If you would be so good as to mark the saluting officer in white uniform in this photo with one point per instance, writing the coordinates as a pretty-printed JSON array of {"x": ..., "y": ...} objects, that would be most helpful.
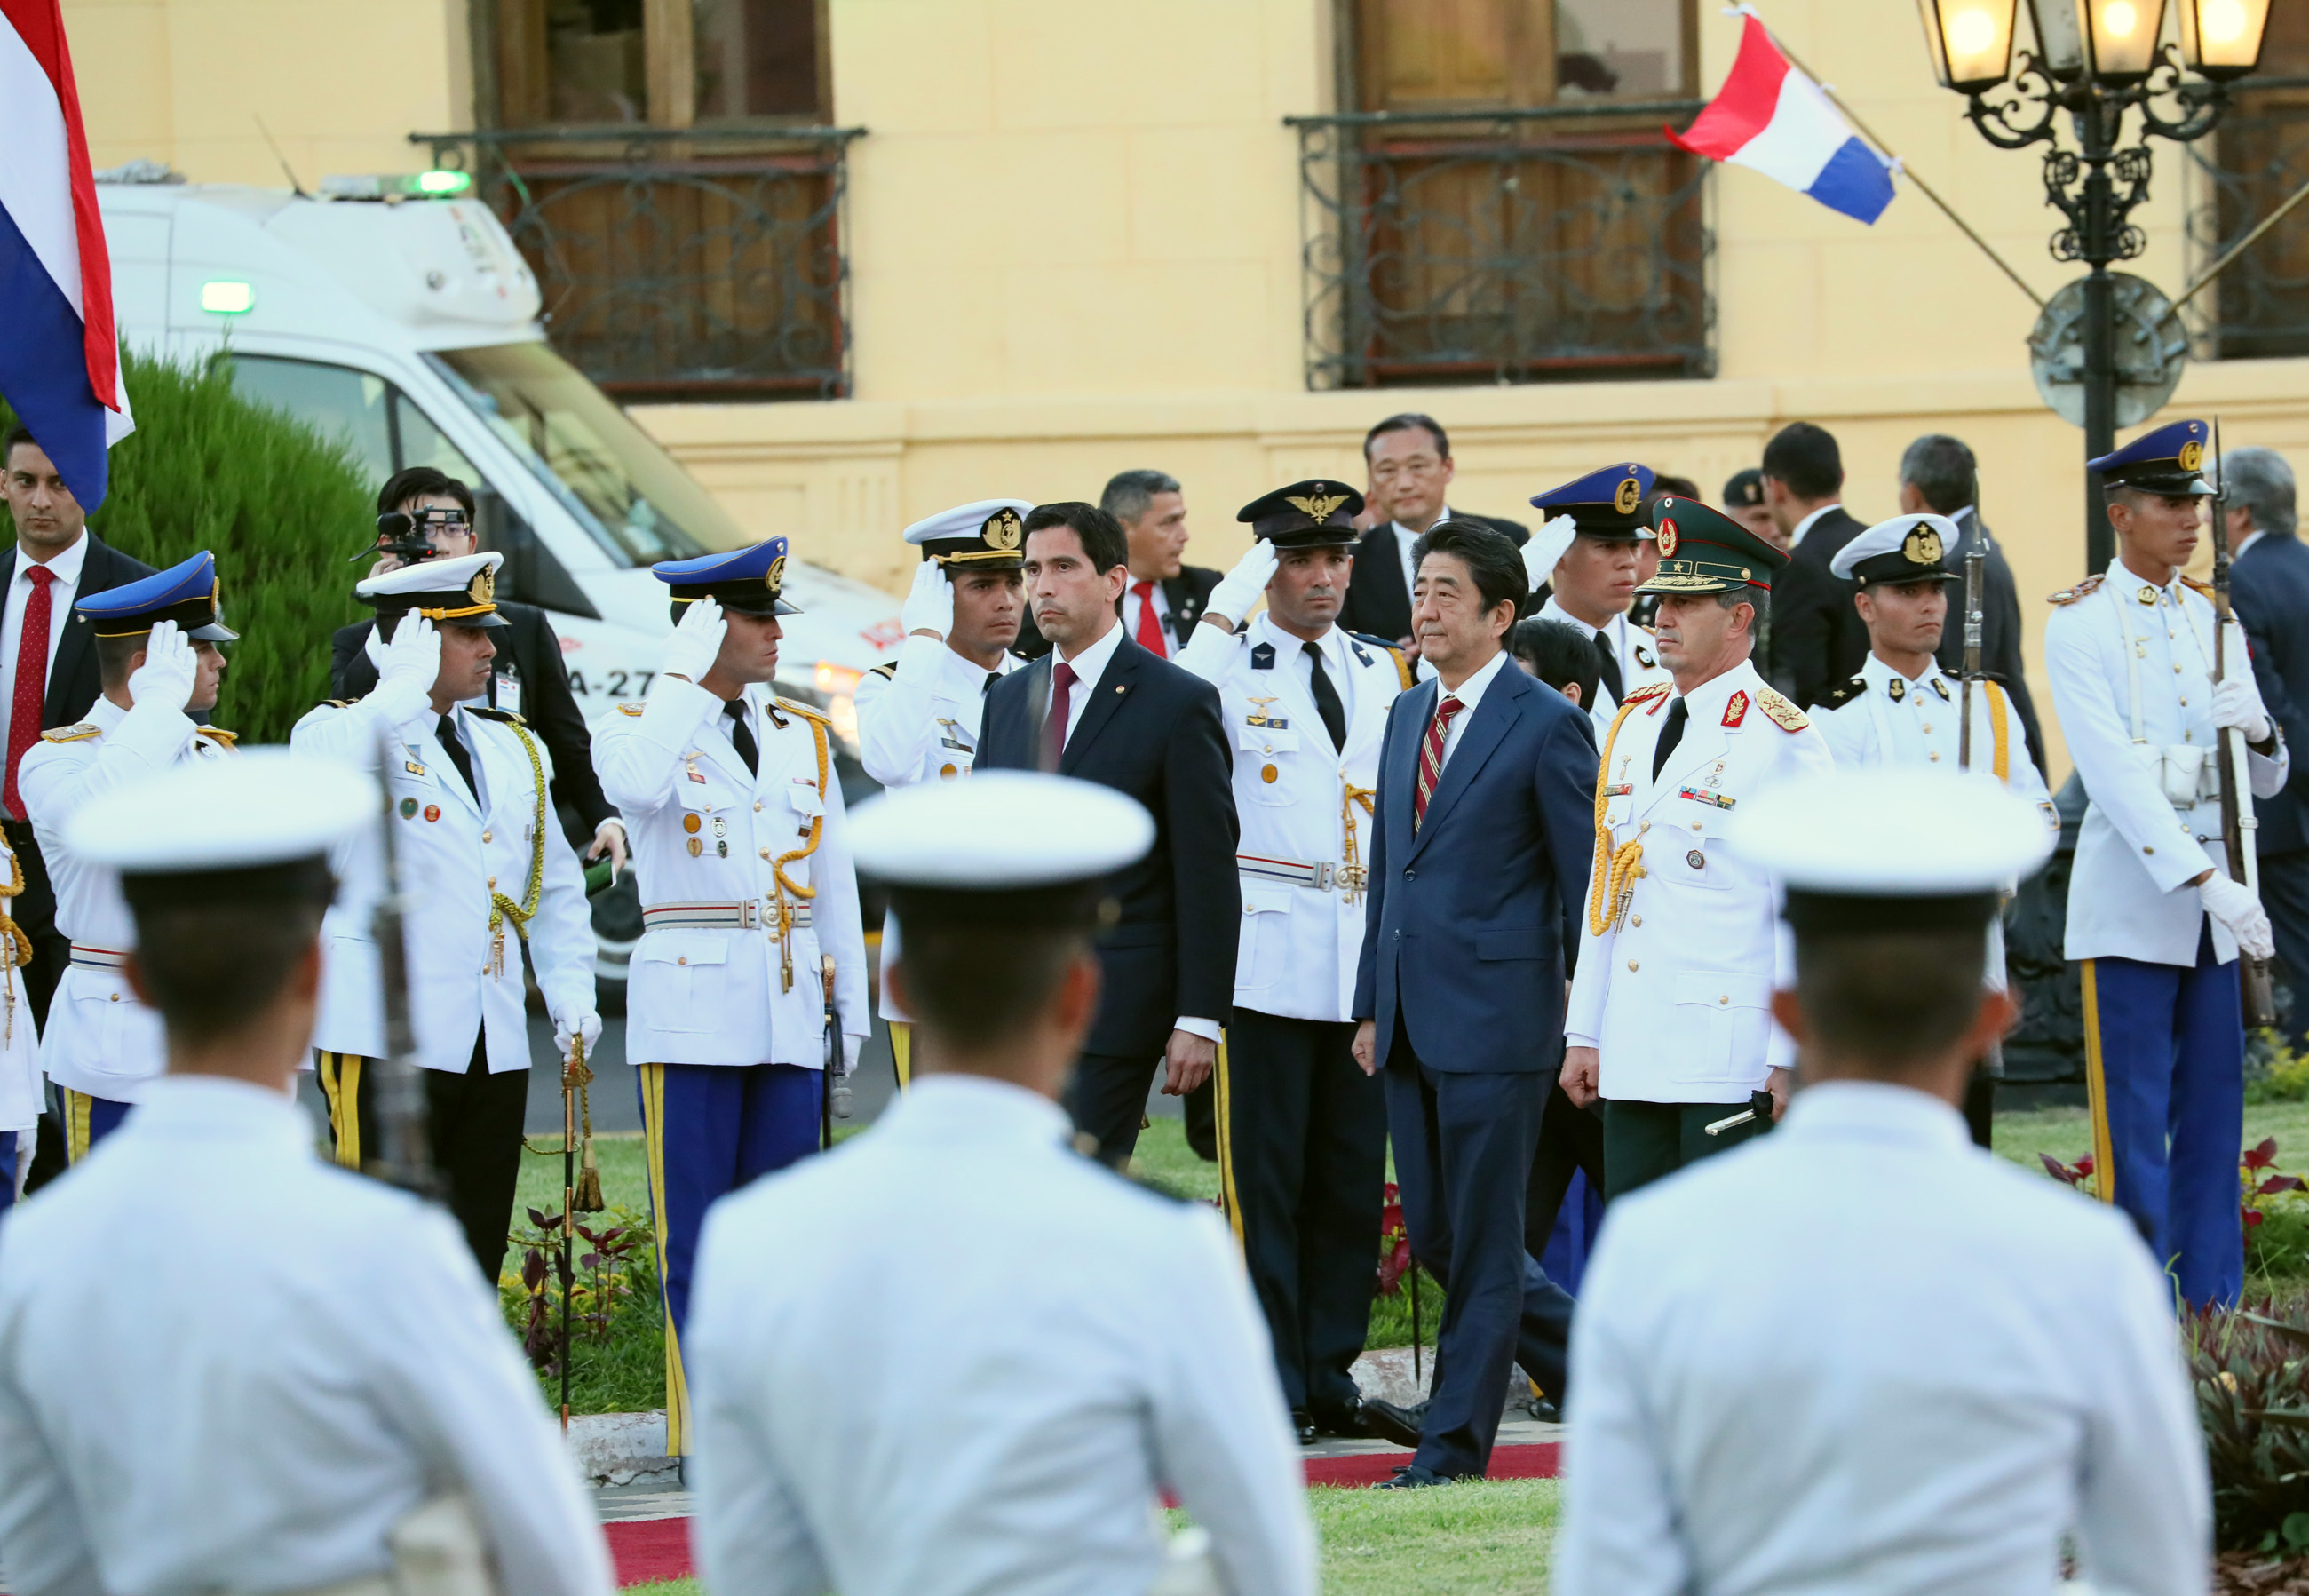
[
  {"x": 917, "y": 716},
  {"x": 1670, "y": 1019},
  {"x": 2153, "y": 913},
  {"x": 1586, "y": 556},
  {"x": 483, "y": 867},
  {"x": 1903, "y": 710},
  {"x": 304, "y": 1390},
  {"x": 1302, "y": 1130},
  {"x": 741, "y": 847},
  {"x": 958, "y": 1357},
  {"x": 157, "y": 652}
]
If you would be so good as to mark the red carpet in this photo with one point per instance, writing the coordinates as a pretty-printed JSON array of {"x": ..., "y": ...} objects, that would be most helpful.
[{"x": 657, "y": 1549}]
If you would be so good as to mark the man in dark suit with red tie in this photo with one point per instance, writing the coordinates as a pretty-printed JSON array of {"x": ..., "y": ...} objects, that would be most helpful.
[{"x": 1100, "y": 708}]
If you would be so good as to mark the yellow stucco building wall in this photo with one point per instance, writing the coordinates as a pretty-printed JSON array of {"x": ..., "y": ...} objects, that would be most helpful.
[{"x": 1074, "y": 233}]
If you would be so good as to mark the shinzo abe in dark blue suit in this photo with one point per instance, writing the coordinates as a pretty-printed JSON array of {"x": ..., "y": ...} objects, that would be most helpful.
[{"x": 1485, "y": 826}]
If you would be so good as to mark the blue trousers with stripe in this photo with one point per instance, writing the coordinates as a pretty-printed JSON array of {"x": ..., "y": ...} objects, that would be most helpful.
[
  {"x": 7, "y": 1170},
  {"x": 708, "y": 1130},
  {"x": 2165, "y": 1061},
  {"x": 89, "y": 1119}
]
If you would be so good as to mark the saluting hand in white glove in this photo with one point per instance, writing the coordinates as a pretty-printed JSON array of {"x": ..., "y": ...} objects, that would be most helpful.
[
  {"x": 165, "y": 677},
  {"x": 1242, "y": 587},
  {"x": 412, "y": 658},
  {"x": 2236, "y": 705},
  {"x": 2234, "y": 905},
  {"x": 929, "y": 603},
  {"x": 697, "y": 642}
]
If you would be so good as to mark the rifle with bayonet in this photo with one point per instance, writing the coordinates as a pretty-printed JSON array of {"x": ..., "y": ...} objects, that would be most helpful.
[
  {"x": 1976, "y": 562},
  {"x": 2260, "y": 1000},
  {"x": 405, "y": 1153}
]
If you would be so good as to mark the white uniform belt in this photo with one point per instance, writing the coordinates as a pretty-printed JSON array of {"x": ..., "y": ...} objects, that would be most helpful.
[
  {"x": 1298, "y": 872},
  {"x": 97, "y": 958},
  {"x": 718, "y": 916}
]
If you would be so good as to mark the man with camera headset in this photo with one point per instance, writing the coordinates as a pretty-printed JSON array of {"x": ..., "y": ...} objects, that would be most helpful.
[{"x": 424, "y": 514}]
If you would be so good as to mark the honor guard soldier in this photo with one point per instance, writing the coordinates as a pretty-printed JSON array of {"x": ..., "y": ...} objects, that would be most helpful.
[
  {"x": 1671, "y": 1013},
  {"x": 1302, "y": 1143},
  {"x": 1031, "y": 1402},
  {"x": 2153, "y": 914},
  {"x": 1586, "y": 555},
  {"x": 20, "y": 1040},
  {"x": 918, "y": 717},
  {"x": 306, "y": 1390},
  {"x": 748, "y": 900},
  {"x": 483, "y": 866},
  {"x": 157, "y": 654},
  {"x": 1902, "y": 709},
  {"x": 1760, "y": 1338}
]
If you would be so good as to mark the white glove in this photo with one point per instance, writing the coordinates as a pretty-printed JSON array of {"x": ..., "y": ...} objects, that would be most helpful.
[
  {"x": 1246, "y": 584},
  {"x": 929, "y": 605},
  {"x": 412, "y": 659},
  {"x": 697, "y": 642},
  {"x": 1545, "y": 547},
  {"x": 170, "y": 668},
  {"x": 851, "y": 1047},
  {"x": 2236, "y": 704},
  {"x": 589, "y": 1030},
  {"x": 2236, "y": 907}
]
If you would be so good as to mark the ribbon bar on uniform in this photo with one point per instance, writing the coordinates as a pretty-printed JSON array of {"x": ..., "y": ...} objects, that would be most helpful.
[
  {"x": 714, "y": 917},
  {"x": 98, "y": 958},
  {"x": 1297, "y": 872}
]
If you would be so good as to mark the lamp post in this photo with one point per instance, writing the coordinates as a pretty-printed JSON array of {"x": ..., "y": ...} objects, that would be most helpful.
[{"x": 2097, "y": 60}]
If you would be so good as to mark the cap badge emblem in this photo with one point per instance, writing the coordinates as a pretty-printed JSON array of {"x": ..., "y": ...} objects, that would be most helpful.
[
  {"x": 2192, "y": 455},
  {"x": 1629, "y": 495},
  {"x": 776, "y": 578},
  {"x": 1667, "y": 538},
  {"x": 1921, "y": 546},
  {"x": 1003, "y": 529},
  {"x": 1317, "y": 505},
  {"x": 483, "y": 588}
]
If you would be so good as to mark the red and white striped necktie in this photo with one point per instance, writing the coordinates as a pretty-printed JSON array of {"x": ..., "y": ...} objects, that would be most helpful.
[{"x": 1431, "y": 758}]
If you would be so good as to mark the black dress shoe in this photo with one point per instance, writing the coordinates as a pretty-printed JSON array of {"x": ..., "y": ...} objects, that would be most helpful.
[
  {"x": 1391, "y": 1423},
  {"x": 1412, "y": 1479},
  {"x": 1543, "y": 1411},
  {"x": 1305, "y": 1426}
]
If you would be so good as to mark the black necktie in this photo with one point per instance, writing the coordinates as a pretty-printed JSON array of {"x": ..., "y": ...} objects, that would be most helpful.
[
  {"x": 1671, "y": 734},
  {"x": 1608, "y": 658},
  {"x": 988, "y": 685},
  {"x": 1326, "y": 700},
  {"x": 741, "y": 735},
  {"x": 454, "y": 747}
]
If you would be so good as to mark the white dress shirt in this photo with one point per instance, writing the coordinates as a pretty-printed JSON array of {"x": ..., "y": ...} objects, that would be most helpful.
[
  {"x": 1404, "y": 538},
  {"x": 1015, "y": 1412},
  {"x": 66, "y": 568},
  {"x": 253, "y": 1403},
  {"x": 1859, "y": 1354},
  {"x": 1470, "y": 693},
  {"x": 1132, "y": 606},
  {"x": 1797, "y": 536},
  {"x": 1088, "y": 666}
]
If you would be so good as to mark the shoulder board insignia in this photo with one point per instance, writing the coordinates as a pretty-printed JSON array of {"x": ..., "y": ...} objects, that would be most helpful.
[
  {"x": 1736, "y": 710},
  {"x": 219, "y": 735},
  {"x": 1262, "y": 656},
  {"x": 78, "y": 733},
  {"x": 888, "y": 672},
  {"x": 1843, "y": 692},
  {"x": 1782, "y": 712},
  {"x": 632, "y": 708},
  {"x": 1648, "y": 692},
  {"x": 506, "y": 715},
  {"x": 345, "y": 703},
  {"x": 2204, "y": 587},
  {"x": 2070, "y": 595},
  {"x": 819, "y": 715}
]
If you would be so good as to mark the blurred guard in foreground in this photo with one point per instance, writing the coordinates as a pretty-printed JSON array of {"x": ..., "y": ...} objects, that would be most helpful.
[
  {"x": 1039, "y": 1349},
  {"x": 303, "y": 1388},
  {"x": 742, "y": 852},
  {"x": 157, "y": 648},
  {"x": 1862, "y": 1354}
]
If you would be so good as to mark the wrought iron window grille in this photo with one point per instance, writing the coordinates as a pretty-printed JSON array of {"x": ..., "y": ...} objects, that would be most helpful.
[{"x": 2258, "y": 308}]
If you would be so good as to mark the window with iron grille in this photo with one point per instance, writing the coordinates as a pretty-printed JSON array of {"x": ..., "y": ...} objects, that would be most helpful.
[
  {"x": 667, "y": 170},
  {"x": 2254, "y": 162},
  {"x": 1500, "y": 205}
]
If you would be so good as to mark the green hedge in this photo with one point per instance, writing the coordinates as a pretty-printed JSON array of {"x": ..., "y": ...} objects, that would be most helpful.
[{"x": 279, "y": 505}]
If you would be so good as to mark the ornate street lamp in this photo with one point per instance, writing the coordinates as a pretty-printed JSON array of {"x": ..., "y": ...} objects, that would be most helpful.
[{"x": 2096, "y": 60}]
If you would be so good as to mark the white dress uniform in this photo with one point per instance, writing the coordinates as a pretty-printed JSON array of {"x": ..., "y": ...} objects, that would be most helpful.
[
  {"x": 101, "y": 1041},
  {"x": 1632, "y": 645},
  {"x": 1679, "y": 955},
  {"x": 20, "y": 1040}
]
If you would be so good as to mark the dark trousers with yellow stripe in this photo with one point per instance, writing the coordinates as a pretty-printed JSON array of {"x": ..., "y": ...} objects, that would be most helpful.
[
  {"x": 2165, "y": 1064},
  {"x": 1302, "y": 1162},
  {"x": 8, "y": 1144}
]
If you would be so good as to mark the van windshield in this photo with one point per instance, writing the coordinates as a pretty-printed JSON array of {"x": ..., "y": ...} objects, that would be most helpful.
[{"x": 612, "y": 476}]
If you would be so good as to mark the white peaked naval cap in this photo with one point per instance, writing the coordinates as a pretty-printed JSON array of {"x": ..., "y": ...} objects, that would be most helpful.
[{"x": 245, "y": 810}]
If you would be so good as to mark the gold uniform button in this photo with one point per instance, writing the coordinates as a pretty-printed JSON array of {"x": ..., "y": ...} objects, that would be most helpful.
[
  {"x": 493, "y": 882},
  {"x": 757, "y": 806},
  {"x": 1695, "y": 825},
  {"x": 1632, "y": 964},
  {"x": 116, "y": 997},
  {"x": 1722, "y": 1000},
  {"x": 765, "y": 852},
  {"x": 1936, "y": 758},
  {"x": 486, "y": 837},
  {"x": 684, "y": 959},
  {"x": 2148, "y": 850},
  {"x": 1636, "y": 920}
]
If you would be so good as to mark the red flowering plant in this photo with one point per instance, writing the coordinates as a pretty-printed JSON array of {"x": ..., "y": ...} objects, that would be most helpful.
[
  {"x": 1394, "y": 1244},
  {"x": 2074, "y": 1175}
]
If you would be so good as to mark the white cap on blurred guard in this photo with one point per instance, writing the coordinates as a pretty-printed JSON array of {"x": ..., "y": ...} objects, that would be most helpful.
[
  {"x": 1000, "y": 847},
  {"x": 267, "y": 814}
]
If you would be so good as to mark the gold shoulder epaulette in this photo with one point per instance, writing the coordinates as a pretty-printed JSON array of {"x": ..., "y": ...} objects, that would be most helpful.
[
  {"x": 2204, "y": 587},
  {"x": 1647, "y": 693},
  {"x": 81, "y": 732},
  {"x": 632, "y": 708},
  {"x": 218, "y": 735},
  {"x": 2070, "y": 595},
  {"x": 1780, "y": 711},
  {"x": 1405, "y": 672},
  {"x": 888, "y": 671},
  {"x": 506, "y": 715},
  {"x": 344, "y": 703},
  {"x": 819, "y": 715}
]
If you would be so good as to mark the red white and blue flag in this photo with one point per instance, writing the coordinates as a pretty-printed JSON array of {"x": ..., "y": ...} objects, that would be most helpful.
[
  {"x": 59, "y": 354},
  {"x": 1771, "y": 117}
]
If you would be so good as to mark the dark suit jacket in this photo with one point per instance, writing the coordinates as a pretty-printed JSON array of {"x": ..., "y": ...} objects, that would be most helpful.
[
  {"x": 1377, "y": 603},
  {"x": 546, "y": 703},
  {"x": 73, "y": 681},
  {"x": 1464, "y": 926},
  {"x": 1186, "y": 593},
  {"x": 2000, "y": 627},
  {"x": 1154, "y": 731},
  {"x": 1818, "y": 640},
  {"x": 2270, "y": 590}
]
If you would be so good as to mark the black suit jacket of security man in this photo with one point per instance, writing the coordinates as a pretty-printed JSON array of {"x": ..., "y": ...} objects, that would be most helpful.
[
  {"x": 1153, "y": 731},
  {"x": 1186, "y": 593},
  {"x": 2000, "y": 627},
  {"x": 546, "y": 703},
  {"x": 1818, "y": 637},
  {"x": 1378, "y": 604}
]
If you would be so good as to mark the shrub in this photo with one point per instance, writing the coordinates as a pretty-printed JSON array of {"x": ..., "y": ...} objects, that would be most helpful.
[
  {"x": 2251, "y": 1370},
  {"x": 2284, "y": 1079},
  {"x": 617, "y": 1355},
  {"x": 280, "y": 506}
]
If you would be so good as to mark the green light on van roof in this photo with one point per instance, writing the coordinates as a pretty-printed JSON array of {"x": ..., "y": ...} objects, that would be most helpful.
[
  {"x": 441, "y": 181},
  {"x": 226, "y": 298}
]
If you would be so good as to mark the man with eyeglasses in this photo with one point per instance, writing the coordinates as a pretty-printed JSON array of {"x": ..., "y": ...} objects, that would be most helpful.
[
  {"x": 1408, "y": 459},
  {"x": 529, "y": 679}
]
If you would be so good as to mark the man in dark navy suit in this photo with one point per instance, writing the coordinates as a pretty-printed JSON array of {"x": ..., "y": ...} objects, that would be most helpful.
[
  {"x": 1485, "y": 828},
  {"x": 1817, "y": 637},
  {"x": 1100, "y": 708},
  {"x": 2270, "y": 587},
  {"x": 1408, "y": 459}
]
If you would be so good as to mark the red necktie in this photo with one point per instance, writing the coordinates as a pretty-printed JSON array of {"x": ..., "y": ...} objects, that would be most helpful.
[
  {"x": 1150, "y": 625},
  {"x": 1431, "y": 758},
  {"x": 31, "y": 681},
  {"x": 1054, "y": 727}
]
